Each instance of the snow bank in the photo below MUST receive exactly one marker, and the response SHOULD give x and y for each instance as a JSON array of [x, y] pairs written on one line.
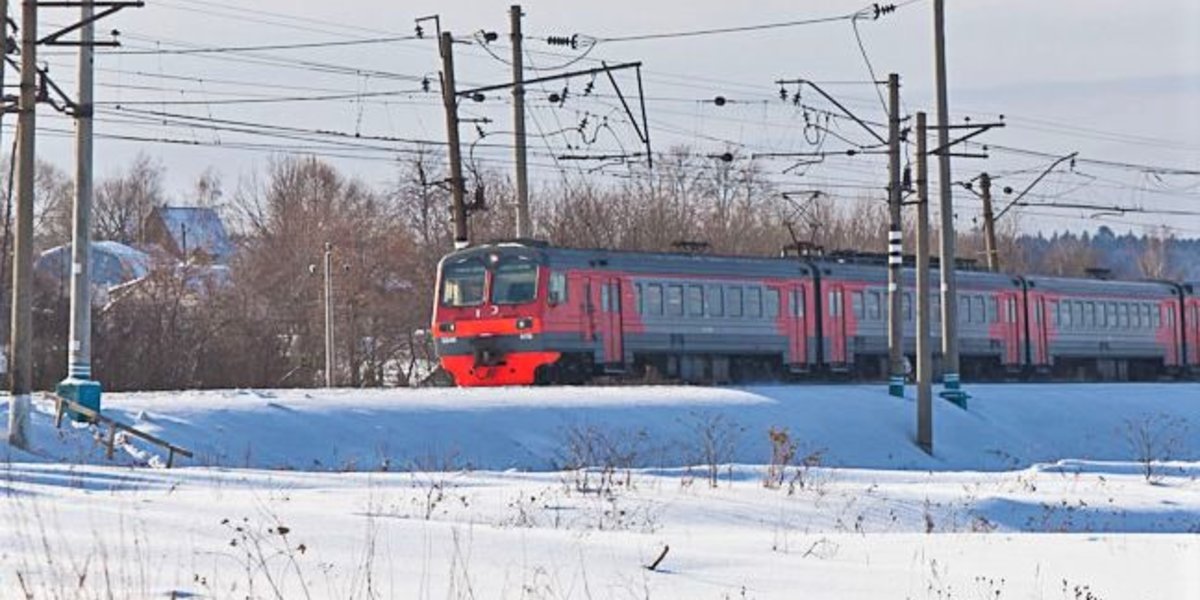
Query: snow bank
[[1006, 427]]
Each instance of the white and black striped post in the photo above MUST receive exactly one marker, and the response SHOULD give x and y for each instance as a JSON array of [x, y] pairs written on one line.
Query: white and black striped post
[[895, 247]]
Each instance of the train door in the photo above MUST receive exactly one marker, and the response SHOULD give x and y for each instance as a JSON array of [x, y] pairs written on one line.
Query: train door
[[611, 321], [835, 325], [1041, 324], [797, 330], [1012, 320]]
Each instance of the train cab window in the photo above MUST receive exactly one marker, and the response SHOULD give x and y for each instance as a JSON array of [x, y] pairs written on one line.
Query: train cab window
[[514, 281], [695, 301], [557, 289], [675, 300], [462, 283], [771, 303], [874, 306], [654, 299], [753, 302], [733, 301], [993, 310], [856, 304], [716, 303]]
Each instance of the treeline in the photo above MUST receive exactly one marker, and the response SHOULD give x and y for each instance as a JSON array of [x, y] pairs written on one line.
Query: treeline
[[261, 324]]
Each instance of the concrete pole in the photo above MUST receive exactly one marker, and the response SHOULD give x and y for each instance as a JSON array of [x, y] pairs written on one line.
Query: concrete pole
[[450, 101], [989, 223], [524, 225], [78, 385], [895, 246], [950, 364], [924, 351], [329, 362], [22, 307]]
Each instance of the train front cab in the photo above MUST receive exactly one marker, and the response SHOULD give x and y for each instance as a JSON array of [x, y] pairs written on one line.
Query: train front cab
[[488, 315]]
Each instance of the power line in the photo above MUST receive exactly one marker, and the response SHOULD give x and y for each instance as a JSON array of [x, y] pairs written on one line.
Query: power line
[[725, 30], [236, 49]]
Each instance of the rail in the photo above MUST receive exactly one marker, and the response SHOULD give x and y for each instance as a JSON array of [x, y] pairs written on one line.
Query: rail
[[94, 417]]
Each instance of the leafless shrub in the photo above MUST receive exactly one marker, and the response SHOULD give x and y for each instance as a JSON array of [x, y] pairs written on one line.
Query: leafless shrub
[[1155, 439], [715, 438], [610, 454], [783, 450]]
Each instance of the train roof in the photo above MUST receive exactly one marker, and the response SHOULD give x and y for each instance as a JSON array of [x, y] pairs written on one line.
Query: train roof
[[1105, 286]]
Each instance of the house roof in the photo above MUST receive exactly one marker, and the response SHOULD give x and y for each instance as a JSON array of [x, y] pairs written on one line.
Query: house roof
[[195, 228], [112, 263]]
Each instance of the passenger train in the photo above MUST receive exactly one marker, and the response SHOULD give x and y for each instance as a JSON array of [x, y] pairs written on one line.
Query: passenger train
[[523, 312]]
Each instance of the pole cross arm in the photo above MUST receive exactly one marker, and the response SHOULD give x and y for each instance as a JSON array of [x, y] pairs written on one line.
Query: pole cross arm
[[978, 130], [109, 7], [840, 106], [526, 82]]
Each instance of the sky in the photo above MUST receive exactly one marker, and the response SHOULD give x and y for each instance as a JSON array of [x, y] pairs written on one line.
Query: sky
[[1117, 82]]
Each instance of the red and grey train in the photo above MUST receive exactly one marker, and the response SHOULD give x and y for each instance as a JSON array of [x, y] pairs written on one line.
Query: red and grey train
[[519, 313]]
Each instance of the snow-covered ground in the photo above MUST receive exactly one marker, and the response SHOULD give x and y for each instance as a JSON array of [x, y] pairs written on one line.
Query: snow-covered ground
[[1036, 491]]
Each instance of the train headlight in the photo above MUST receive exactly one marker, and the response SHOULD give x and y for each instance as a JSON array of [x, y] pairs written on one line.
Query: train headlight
[[524, 323], [447, 327]]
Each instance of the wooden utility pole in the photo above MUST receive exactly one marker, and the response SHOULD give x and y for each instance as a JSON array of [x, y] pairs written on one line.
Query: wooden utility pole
[[22, 314], [989, 223], [950, 366], [896, 369], [450, 100], [924, 352], [524, 225]]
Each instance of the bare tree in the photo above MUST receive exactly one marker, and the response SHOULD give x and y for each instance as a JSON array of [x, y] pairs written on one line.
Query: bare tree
[[123, 201]]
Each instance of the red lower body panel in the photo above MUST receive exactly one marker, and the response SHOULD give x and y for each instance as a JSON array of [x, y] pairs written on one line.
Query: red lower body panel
[[519, 368]]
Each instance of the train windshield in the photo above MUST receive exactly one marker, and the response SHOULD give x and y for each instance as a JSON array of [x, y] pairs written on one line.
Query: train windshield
[[462, 283], [514, 281]]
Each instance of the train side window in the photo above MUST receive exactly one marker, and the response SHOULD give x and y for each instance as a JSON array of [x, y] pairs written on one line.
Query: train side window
[[856, 304], [771, 303], [733, 301], [1156, 314], [978, 314], [604, 298], [753, 302], [1012, 309], [964, 309], [654, 299], [716, 304], [993, 310], [1135, 316], [1123, 315], [675, 300], [557, 289], [798, 303], [1110, 314], [1065, 308], [695, 301], [1148, 315], [874, 306], [637, 291], [835, 303], [907, 302], [1101, 316], [1089, 315]]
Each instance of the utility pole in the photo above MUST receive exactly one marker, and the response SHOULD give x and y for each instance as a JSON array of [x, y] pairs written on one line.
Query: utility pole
[[329, 363], [22, 314], [924, 352], [950, 377], [896, 372], [78, 385], [989, 223], [524, 226], [450, 100]]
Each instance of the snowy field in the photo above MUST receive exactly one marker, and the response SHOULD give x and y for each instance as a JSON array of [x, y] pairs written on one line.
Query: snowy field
[[1036, 491]]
